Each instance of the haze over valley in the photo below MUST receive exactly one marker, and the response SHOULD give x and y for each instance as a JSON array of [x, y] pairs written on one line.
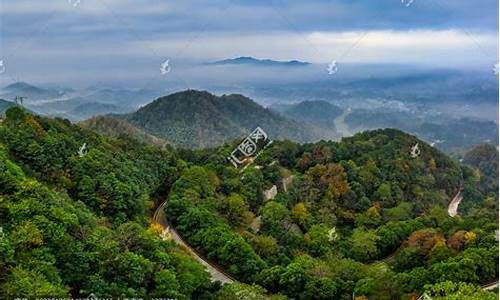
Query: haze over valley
[[436, 105], [249, 149]]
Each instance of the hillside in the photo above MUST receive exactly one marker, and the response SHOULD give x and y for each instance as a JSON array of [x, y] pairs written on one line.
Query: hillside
[[114, 127], [4, 105], [199, 119], [72, 226], [484, 158], [318, 113], [360, 216]]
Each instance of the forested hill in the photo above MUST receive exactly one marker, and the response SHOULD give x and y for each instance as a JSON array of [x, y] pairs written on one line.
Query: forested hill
[[76, 225], [360, 216], [198, 119], [114, 127]]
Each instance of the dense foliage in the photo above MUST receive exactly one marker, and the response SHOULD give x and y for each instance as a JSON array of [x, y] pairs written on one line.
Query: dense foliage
[[72, 226], [199, 119], [358, 217]]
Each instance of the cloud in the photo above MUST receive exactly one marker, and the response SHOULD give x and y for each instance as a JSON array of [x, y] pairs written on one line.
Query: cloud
[[127, 38]]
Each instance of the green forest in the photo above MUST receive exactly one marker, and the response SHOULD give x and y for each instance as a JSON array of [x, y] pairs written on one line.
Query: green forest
[[360, 218]]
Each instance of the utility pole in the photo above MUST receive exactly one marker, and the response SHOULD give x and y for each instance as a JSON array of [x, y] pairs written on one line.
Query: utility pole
[[19, 100]]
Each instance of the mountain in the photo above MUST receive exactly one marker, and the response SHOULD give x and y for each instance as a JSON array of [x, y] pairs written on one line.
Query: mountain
[[199, 119], [29, 91], [87, 103], [114, 127], [359, 216], [247, 60], [318, 113], [450, 134]]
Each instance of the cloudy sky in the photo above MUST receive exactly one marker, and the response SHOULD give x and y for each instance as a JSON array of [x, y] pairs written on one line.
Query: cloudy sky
[[82, 42]]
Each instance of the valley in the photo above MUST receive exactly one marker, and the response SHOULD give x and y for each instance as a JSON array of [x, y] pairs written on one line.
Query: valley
[[303, 121], [249, 150], [351, 204]]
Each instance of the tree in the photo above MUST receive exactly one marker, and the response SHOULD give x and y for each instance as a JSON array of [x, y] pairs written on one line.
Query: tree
[[448, 290], [237, 291], [409, 258], [320, 288], [166, 284], [363, 244], [399, 213], [22, 283], [294, 279], [235, 209], [299, 213], [371, 218], [384, 195], [457, 240], [265, 246], [318, 240], [331, 179], [274, 216]]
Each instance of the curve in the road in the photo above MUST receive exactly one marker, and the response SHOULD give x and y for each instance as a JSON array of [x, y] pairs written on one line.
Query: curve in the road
[[453, 207], [216, 272], [490, 286]]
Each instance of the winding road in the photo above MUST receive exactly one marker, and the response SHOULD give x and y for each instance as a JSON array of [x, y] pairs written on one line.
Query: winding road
[[490, 286], [453, 207], [216, 272]]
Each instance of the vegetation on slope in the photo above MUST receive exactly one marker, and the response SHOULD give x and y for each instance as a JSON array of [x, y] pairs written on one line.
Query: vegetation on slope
[[361, 216], [74, 225], [114, 128], [199, 119]]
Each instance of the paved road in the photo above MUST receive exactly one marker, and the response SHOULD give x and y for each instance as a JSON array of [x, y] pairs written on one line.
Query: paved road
[[453, 207], [216, 273], [490, 286]]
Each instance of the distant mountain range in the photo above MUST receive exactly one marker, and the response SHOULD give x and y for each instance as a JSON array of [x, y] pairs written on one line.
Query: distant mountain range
[[247, 60], [199, 119], [77, 105], [29, 91]]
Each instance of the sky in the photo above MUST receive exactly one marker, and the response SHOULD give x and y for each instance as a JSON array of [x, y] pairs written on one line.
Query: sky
[[85, 42]]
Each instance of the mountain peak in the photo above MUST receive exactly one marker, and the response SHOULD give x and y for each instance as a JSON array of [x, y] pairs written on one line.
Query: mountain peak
[[259, 62], [199, 119], [20, 85], [30, 91]]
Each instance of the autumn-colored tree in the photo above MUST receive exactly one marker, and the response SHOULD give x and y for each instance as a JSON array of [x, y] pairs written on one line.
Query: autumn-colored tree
[[457, 240], [432, 165], [424, 239], [330, 178], [299, 213]]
